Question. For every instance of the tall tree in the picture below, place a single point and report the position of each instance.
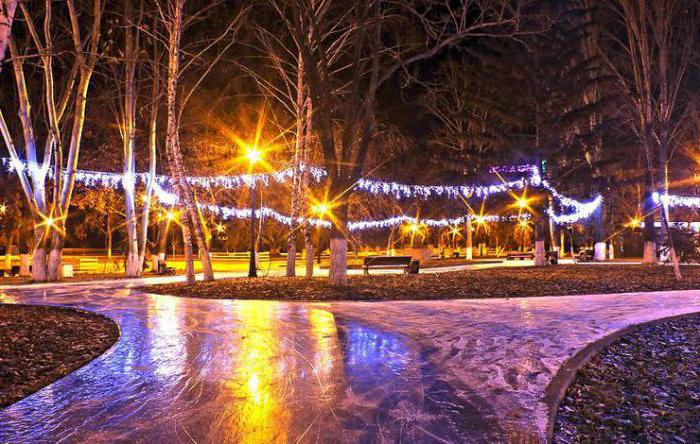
(363, 45)
(49, 217)
(7, 14)
(172, 16)
(649, 50)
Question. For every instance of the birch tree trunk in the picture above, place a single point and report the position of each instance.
(175, 31)
(152, 159)
(133, 267)
(306, 156)
(469, 253)
(297, 187)
(191, 221)
(7, 14)
(86, 64)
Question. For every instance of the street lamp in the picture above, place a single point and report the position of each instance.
(322, 210)
(254, 155)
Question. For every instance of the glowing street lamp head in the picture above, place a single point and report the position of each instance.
(170, 215)
(522, 203)
(524, 223)
(322, 209)
(479, 219)
(3, 208)
(635, 223)
(220, 228)
(254, 155)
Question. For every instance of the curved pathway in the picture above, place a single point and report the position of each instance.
(258, 371)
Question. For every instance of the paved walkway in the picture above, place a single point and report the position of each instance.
(261, 371)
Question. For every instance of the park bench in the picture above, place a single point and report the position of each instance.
(518, 255)
(391, 262)
(584, 255)
(83, 264)
(164, 270)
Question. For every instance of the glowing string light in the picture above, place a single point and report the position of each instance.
(113, 180)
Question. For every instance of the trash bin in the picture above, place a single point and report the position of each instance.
(414, 267)
(553, 257)
(67, 270)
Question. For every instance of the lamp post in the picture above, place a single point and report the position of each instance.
(254, 156)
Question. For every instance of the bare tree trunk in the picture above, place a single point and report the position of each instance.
(337, 266)
(133, 267)
(189, 255)
(649, 230)
(309, 247)
(86, 64)
(40, 255)
(540, 258)
(297, 187)
(109, 236)
(173, 145)
(469, 253)
(152, 139)
(7, 14)
(8, 250)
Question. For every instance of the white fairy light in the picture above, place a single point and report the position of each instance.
(582, 210)
(673, 200)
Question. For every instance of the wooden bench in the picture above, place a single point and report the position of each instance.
(164, 270)
(391, 262)
(515, 255)
(584, 255)
(83, 264)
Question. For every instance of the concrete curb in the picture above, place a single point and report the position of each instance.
(556, 390)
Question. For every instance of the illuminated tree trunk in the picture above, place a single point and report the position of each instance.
(86, 65)
(649, 233)
(540, 258)
(469, 253)
(128, 124)
(7, 14)
(191, 221)
(109, 235)
(298, 185)
(8, 250)
(152, 158)
(172, 145)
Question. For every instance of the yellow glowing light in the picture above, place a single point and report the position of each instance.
(524, 223)
(321, 209)
(480, 220)
(634, 223)
(220, 228)
(50, 221)
(455, 231)
(522, 202)
(3, 209)
(254, 155)
(171, 215)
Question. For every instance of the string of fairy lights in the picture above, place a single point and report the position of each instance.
(529, 177)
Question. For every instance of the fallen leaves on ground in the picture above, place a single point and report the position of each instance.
(39, 345)
(488, 283)
(644, 387)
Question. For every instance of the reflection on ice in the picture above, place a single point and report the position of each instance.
(164, 330)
